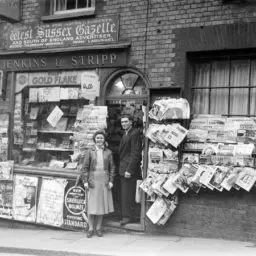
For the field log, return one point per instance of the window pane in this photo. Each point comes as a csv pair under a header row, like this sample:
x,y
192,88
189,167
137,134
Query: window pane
x,y
83,3
117,88
253,73
220,74
200,101
202,75
219,101
239,73
239,101
60,5
253,102
71,4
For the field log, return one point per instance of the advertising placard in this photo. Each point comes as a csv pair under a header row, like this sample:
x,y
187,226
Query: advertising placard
x,y
51,200
75,206
90,85
25,198
6,199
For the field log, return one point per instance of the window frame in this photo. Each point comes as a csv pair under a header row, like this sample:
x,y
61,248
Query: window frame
x,y
210,57
68,14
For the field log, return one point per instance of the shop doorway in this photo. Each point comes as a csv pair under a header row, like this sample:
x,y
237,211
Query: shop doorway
x,y
125,93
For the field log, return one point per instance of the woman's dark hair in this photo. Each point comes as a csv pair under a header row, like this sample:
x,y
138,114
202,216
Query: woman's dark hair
x,y
97,133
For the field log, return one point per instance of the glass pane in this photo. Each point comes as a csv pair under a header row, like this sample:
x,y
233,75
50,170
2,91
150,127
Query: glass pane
x,y
117,88
253,73
139,87
60,5
220,74
129,80
239,73
200,101
253,102
127,84
71,4
219,101
83,3
239,101
202,75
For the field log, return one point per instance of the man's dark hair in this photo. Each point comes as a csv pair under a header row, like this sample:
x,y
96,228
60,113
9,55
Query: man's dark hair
x,y
130,117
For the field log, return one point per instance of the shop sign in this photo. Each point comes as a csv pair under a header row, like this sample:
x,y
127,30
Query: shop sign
x,y
48,79
10,9
90,85
6,199
74,212
64,34
1,81
83,60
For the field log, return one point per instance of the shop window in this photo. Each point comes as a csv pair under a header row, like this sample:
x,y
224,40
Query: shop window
x,y
226,87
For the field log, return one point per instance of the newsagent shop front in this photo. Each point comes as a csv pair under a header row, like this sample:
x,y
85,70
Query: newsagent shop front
x,y
51,106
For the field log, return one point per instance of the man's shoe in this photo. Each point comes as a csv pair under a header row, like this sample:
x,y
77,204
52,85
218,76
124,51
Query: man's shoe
x,y
124,221
99,233
89,234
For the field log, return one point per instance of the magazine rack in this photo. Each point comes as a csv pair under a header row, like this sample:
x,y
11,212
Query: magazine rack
x,y
154,95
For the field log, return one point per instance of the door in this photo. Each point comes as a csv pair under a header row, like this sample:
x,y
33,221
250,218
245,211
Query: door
x,y
125,94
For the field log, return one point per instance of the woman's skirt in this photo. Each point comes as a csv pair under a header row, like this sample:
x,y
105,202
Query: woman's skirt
x,y
100,199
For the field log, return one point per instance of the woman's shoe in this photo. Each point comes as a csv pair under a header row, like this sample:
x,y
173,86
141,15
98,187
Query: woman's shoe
x,y
99,233
89,234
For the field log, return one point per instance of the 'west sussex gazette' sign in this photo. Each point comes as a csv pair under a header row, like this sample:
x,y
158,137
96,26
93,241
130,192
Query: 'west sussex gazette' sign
x,y
63,34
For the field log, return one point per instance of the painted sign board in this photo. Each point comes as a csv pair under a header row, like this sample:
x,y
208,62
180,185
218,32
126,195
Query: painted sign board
x,y
10,9
71,33
69,61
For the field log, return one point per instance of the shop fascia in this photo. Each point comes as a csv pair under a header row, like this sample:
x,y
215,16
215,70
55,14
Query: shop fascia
x,y
72,61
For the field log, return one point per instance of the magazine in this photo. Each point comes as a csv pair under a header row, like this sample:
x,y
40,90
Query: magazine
x,y
231,177
169,184
246,178
170,209
218,177
157,210
190,158
184,177
206,175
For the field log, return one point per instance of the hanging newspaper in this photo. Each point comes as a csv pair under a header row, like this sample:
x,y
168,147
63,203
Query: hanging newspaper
x,y
51,200
6,170
6,199
25,198
75,207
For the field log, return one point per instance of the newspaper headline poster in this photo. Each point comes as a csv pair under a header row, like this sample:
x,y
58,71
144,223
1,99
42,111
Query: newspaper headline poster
x,y
75,206
6,199
51,200
25,198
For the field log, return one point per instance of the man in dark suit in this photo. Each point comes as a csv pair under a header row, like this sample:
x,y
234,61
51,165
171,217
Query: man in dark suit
x,y
129,167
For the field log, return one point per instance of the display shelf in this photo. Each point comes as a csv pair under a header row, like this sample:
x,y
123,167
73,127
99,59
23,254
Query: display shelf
x,y
62,132
29,149
55,149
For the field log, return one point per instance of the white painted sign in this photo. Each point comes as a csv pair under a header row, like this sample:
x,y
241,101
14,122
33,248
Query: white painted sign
x,y
90,85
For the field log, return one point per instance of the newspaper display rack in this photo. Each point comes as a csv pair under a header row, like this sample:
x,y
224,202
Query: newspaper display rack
x,y
165,134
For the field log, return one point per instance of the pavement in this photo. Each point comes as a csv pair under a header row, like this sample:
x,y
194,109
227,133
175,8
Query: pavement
x,y
53,242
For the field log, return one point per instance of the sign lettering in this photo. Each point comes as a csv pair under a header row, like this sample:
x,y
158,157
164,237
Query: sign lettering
x,y
88,32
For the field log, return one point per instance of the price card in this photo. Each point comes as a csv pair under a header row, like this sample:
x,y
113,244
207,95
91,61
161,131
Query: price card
x,y
55,116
